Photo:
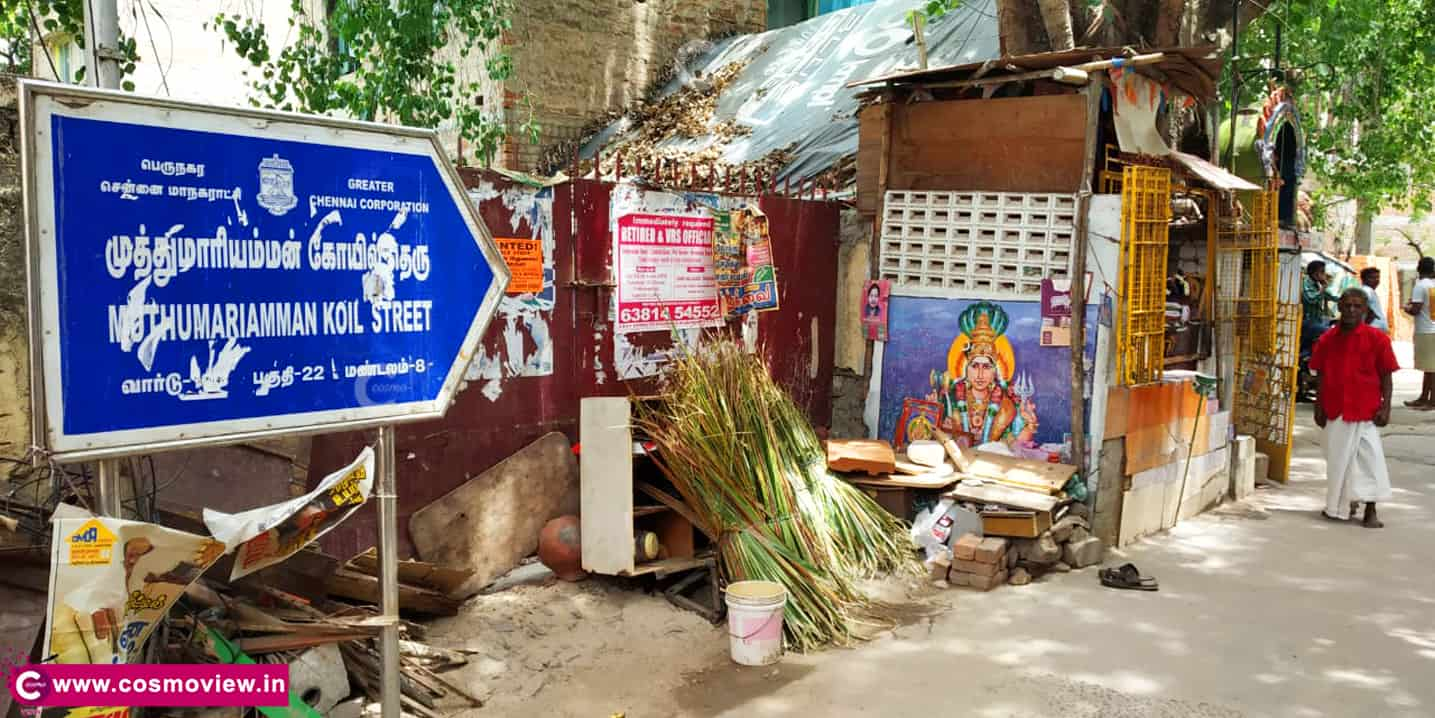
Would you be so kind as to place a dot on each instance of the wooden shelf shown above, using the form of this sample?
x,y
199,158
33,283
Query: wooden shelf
x,y
611,516
668,566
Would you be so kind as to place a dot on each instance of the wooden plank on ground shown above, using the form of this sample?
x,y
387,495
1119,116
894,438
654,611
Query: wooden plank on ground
x,y
415,573
927,481
866,456
492,521
361,587
667,566
256,645
1028,473
992,493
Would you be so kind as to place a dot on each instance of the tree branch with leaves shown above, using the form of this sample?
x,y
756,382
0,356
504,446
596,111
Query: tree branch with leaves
x,y
1365,84
53,22
385,60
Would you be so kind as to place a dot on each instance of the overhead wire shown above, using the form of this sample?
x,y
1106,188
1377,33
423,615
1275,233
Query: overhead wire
x,y
40,35
144,16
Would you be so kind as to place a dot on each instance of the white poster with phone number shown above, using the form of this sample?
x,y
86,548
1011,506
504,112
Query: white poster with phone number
x,y
664,264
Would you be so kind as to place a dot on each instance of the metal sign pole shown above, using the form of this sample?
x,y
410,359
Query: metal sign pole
x,y
108,488
387,494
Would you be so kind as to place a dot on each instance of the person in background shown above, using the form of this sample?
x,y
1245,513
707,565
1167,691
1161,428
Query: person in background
x,y
1422,307
1356,364
1315,300
1370,281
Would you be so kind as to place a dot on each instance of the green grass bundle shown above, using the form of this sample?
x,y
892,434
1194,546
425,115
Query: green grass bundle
x,y
745,459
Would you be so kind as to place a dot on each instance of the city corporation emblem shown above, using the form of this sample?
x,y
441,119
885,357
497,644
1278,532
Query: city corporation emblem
x,y
276,185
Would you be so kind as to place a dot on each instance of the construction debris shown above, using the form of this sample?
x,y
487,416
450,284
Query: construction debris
x,y
214,624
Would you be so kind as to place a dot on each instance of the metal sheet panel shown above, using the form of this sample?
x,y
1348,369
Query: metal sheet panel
x,y
479,431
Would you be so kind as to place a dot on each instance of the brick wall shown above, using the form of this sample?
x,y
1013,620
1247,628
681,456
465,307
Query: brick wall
x,y
577,60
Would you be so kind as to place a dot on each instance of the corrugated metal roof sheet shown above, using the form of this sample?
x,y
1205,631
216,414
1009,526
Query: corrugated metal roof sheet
x,y
1213,175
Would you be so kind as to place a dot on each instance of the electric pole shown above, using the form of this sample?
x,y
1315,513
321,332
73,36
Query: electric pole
x,y
102,39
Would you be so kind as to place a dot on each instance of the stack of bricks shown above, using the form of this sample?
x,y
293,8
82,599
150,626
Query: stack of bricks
x,y
979,563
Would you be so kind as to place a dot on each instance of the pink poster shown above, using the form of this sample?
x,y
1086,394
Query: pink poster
x,y
664,264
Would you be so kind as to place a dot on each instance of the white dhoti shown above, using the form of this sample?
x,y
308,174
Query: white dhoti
x,y
1354,465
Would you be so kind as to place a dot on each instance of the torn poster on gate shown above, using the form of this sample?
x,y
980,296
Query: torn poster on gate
x,y
664,265
742,260
111,580
265,536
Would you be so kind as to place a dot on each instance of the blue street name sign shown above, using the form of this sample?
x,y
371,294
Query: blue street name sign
x,y
204,275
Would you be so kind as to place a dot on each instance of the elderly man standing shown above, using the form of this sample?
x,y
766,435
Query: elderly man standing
x,y
1355,362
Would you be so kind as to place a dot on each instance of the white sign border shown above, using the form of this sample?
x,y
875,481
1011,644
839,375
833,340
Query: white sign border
x,y
39,101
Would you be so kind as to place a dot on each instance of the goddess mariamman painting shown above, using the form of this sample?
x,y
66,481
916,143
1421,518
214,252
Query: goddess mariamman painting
x,y
983,363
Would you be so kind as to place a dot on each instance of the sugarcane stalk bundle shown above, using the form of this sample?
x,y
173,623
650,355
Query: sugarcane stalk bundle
x,y
745,459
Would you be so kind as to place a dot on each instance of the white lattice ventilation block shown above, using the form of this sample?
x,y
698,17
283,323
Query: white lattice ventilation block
x,y
979,244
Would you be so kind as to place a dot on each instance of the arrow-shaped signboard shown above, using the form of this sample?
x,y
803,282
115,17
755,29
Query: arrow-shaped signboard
x,y
204,275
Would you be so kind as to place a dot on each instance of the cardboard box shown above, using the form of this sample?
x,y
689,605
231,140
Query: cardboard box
x,y
1015,524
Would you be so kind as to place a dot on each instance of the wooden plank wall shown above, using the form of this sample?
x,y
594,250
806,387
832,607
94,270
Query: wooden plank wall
x,y
1014,144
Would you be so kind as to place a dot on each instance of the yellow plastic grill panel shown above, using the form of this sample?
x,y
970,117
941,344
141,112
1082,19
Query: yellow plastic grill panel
x,y
1145,240
1265,390
1249,266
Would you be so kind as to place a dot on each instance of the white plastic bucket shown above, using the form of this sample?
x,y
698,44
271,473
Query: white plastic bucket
x,y
754,621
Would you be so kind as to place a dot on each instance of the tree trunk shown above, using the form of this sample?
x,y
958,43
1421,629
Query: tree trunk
x,y
1030,26
1056,14
1168,22
1015,24
1364,229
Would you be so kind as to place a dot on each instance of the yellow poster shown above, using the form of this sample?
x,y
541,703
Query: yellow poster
x,y
111,580
91,545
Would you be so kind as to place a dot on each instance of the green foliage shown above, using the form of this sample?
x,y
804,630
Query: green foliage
x,y
15,39
60,20
389,60
934,9
1365,84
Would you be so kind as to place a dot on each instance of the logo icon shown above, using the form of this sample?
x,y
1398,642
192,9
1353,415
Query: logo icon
x,y
92,544
29,685
276,186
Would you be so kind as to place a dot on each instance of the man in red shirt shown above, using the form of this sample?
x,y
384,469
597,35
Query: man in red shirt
x,y
1355,363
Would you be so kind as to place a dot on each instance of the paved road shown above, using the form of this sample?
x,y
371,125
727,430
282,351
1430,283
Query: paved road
x,y
1265,610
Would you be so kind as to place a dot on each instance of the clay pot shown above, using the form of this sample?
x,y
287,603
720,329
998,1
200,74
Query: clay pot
x,y
560,548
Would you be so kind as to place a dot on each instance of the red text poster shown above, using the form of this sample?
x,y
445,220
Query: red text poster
x,y
664,264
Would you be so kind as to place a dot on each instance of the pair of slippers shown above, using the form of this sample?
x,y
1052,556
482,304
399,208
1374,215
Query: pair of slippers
x,y
1127,577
